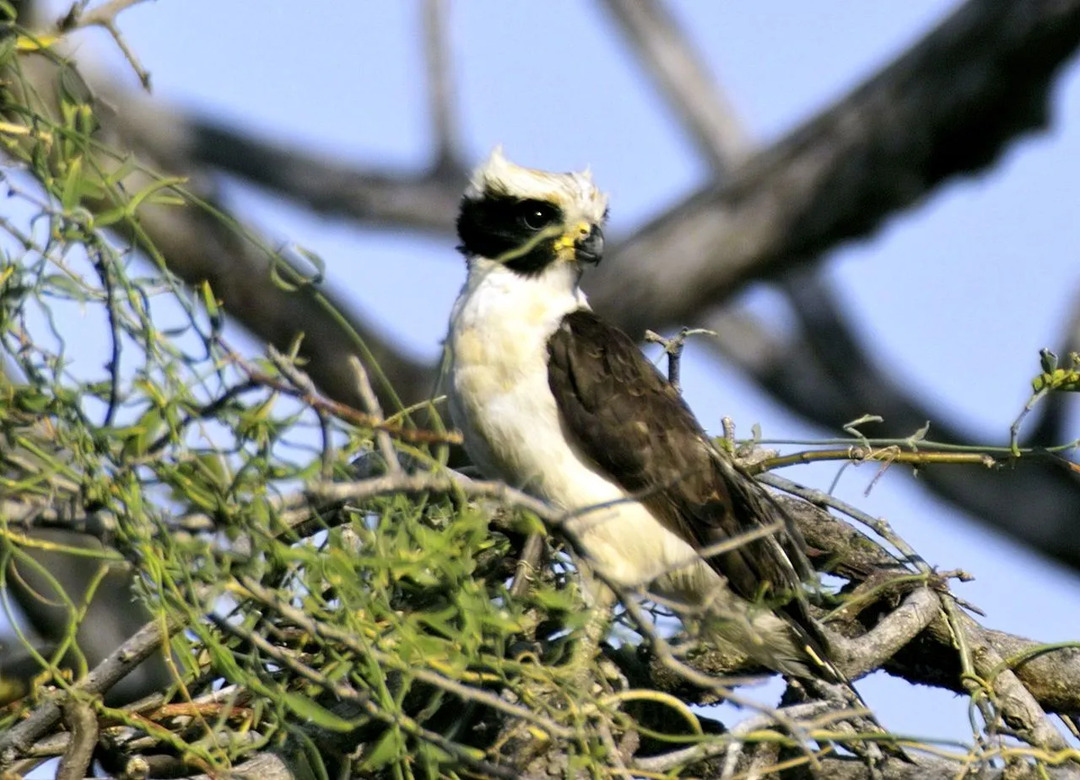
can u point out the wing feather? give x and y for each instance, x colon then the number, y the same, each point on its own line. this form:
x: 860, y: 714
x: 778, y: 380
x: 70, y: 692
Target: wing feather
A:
x: 636, y: 428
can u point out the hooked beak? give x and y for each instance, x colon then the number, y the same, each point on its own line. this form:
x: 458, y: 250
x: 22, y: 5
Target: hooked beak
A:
x: 590, y: 248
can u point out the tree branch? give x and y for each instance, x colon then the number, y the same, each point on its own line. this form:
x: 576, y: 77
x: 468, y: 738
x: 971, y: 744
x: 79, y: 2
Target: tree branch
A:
x: 948, y: 106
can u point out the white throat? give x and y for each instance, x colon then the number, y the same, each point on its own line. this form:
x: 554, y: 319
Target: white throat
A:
x: 510, y: 301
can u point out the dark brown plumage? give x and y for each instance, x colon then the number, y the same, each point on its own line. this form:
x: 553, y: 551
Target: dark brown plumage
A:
x: 628, y: 420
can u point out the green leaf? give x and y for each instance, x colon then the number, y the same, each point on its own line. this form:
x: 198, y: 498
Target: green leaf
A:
x: 140, y: 435
x: 153, y: 194
x: 7, y: 49
x: 388, y: 748
x: 69, y: 197
x: 555, y: 600
x: 316, y: 713
x: 64, y: 285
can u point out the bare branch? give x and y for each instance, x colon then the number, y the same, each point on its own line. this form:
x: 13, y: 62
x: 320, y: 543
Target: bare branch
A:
x: 382, y: 197
x: 884, y: 640
x: 81, y: 721
x: 1053, y: 678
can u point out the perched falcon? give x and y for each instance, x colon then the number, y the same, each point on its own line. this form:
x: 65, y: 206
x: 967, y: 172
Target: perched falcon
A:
x: 554, y: 400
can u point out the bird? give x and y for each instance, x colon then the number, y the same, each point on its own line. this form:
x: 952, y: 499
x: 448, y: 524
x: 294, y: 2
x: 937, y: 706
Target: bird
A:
x: 552, y: 399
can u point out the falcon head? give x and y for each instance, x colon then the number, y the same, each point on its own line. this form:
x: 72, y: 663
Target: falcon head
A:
x: 529, y: 220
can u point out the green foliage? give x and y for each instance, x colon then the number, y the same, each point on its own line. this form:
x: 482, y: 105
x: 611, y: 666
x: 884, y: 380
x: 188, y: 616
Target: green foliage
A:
x: 327, y: 628
x: 1054, y: 377
x: 123, y: 396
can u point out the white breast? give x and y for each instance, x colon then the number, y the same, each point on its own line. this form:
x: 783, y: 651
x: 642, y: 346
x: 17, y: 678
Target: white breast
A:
x: 500, y: 399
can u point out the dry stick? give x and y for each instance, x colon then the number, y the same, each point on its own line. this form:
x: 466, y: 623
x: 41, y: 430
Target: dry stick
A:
x: 730, y: 743
x: 436, y: 482
x: 881, y: 527
x: 704, y: 681
x: 142, y: 644
x: 81, y: 720
x: 344, y: 411
x: 798, y: 712
x: 302, y: 382
x: 372, y: 407
x: 527, y: 564
x: 105, y: 15
x: 883, y: 641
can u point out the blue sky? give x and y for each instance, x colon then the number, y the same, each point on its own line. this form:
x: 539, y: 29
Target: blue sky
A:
x: 956, y: 296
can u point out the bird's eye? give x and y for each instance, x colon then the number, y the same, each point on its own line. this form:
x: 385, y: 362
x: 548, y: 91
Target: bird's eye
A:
x: 536, y: 215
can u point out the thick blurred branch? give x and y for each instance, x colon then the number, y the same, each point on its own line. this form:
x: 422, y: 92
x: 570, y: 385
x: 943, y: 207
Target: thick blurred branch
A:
x: 948, y: 106
x: 442, y: 97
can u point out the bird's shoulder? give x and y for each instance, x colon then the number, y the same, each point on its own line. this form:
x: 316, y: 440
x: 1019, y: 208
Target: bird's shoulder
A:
x: 624, y: 414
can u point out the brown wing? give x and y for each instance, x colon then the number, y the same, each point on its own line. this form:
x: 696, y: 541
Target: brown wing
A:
x: 637, y: 429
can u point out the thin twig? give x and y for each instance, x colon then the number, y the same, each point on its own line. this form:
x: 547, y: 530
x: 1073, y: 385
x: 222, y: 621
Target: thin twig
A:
x: 876, y: 524
x: 436, y: 482
x: 345, y: 412
x: 527, y: 565
x: 673, y: 348
x: 374, y: 410
x: 663, y: 651
x: 105, y: 15
x: 102, y: 266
